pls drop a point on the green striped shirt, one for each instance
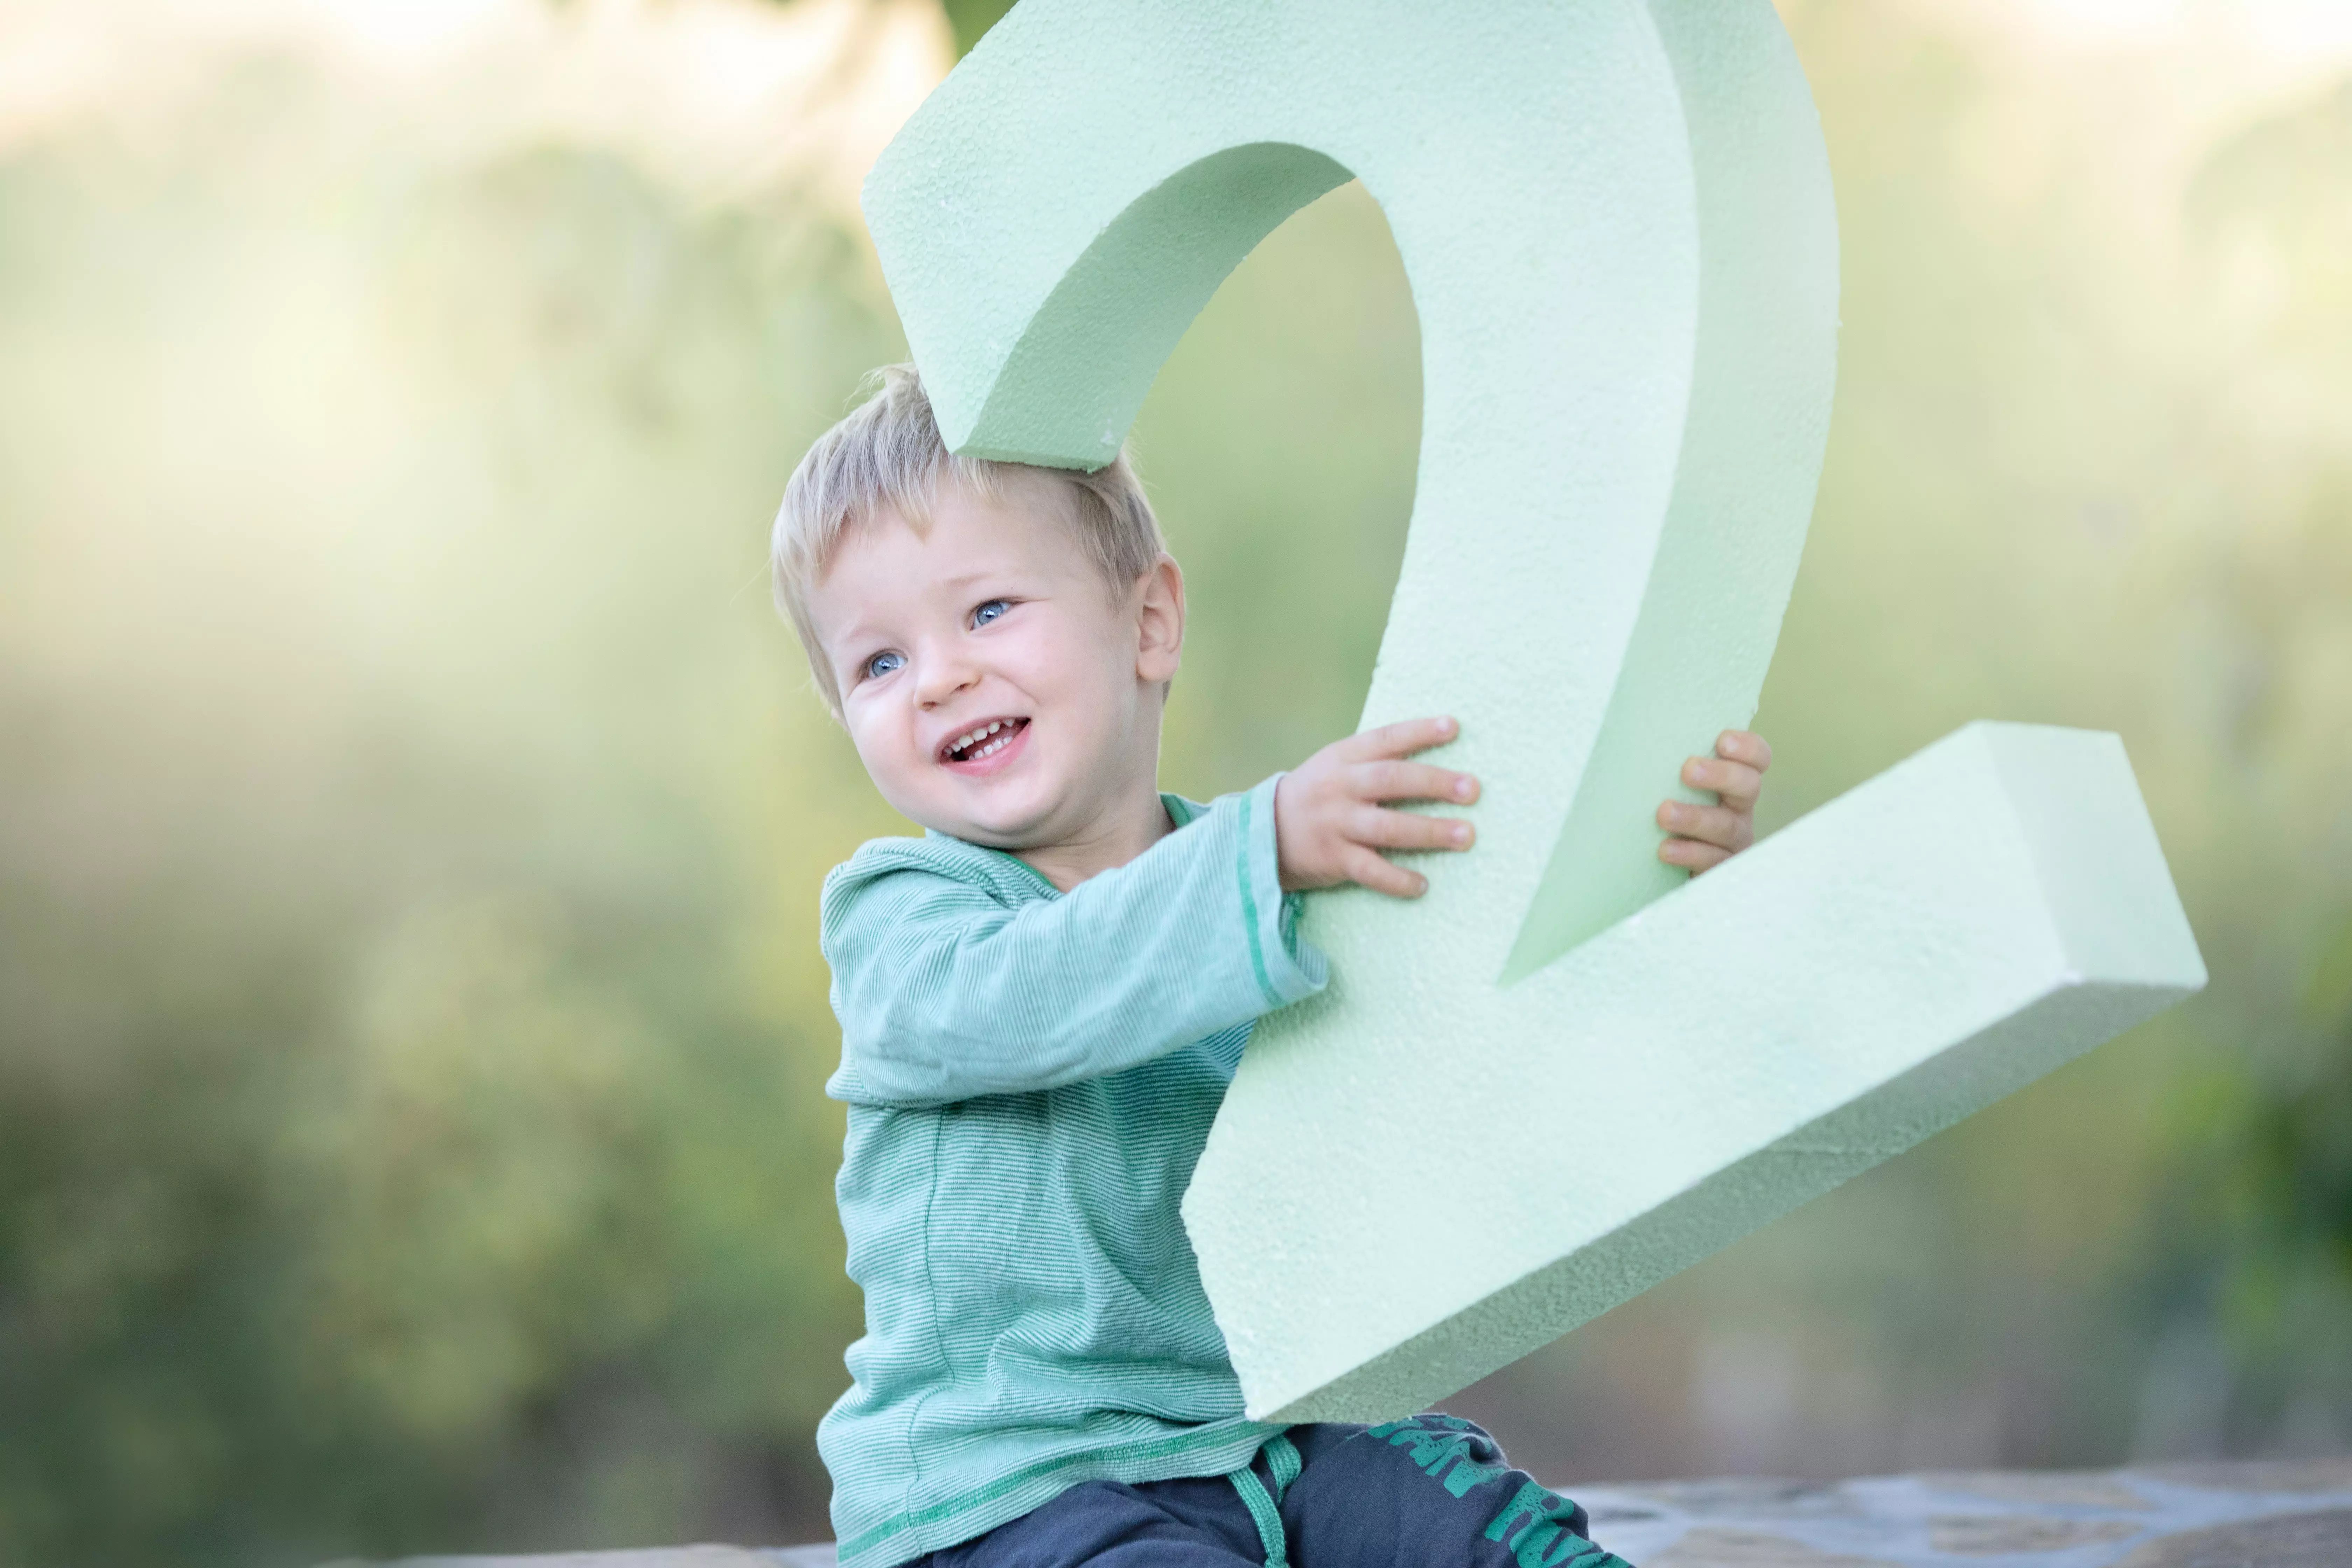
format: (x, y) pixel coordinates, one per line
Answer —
(1030, 1078)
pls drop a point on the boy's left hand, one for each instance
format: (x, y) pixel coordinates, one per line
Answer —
(1705, 837)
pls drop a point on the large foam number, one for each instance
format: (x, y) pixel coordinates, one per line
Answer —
(1545, 1086)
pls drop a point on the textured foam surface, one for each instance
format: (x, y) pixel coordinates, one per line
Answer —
(1383, 1219)
(1617, 223)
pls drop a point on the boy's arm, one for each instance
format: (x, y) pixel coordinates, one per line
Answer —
(945, 994)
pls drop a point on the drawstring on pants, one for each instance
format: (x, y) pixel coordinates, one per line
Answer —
(1266, 1507)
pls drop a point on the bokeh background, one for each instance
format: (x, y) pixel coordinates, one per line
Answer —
(411, 810)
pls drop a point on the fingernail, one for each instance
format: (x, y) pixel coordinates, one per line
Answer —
(1462, 834)
(1462, 789)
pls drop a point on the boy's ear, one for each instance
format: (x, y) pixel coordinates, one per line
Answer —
(1160, 621)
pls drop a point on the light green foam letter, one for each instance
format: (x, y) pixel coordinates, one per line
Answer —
(1617, 223)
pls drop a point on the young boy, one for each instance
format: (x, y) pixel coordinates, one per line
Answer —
(1042, 1001)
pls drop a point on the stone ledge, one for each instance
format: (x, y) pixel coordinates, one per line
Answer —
(2282, 1514)
(704, 1556)
(2273, 1514)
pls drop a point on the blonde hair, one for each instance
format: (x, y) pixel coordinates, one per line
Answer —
(886, 453)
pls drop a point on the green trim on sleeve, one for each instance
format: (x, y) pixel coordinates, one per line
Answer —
(1249, 910)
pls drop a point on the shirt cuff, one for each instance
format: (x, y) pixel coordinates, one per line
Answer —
(1287, 966)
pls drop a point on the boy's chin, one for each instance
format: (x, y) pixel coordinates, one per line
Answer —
(1012, 819)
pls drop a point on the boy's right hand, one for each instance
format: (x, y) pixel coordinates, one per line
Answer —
(1329, 825)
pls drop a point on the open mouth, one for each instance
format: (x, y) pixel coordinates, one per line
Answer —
(984, 740)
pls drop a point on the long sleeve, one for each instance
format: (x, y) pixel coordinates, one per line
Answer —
(953, 978)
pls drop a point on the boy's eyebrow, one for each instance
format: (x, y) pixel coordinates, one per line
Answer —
(978, 574)
(828, 638)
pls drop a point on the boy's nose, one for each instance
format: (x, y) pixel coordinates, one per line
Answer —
(940, 676)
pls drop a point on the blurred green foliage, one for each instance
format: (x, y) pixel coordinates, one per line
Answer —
(411, 811)
(970, 18)
(410, 1119)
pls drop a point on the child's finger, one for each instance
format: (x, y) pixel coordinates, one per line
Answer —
(1715, 824)
(1384, 876)
(1744, 746)
(1737, 782)
(1399, 740)
(1395, 780)
(1384, 829)
(1691, 855)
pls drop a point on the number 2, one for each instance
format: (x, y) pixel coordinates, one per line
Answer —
(1548, 1084)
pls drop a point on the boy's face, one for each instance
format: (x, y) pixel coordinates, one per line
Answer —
(995, 688)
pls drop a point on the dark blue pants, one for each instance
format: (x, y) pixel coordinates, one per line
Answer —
(1432, 1492)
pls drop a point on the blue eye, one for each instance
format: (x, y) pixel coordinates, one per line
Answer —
(883, 663)
(991, 611)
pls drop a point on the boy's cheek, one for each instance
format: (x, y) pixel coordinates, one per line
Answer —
(886, 757)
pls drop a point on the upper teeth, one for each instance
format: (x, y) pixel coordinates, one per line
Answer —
(975, 737)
